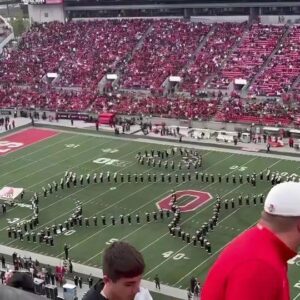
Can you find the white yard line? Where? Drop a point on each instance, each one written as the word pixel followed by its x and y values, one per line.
pixel 296 297
pixel 124 237
pixel 58 162
pixel 185 246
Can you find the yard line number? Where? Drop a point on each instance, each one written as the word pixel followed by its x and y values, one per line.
pixel 110 162
pixel 110 150
pixel 112 240
pixel 72 146
pixel 6 146
pixel 176 256
pixel 238 168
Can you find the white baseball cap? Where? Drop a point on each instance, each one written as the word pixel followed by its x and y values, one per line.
pixel 284 200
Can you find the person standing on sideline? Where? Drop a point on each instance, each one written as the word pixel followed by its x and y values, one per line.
pixel 123 267
pixel 3 262
pixel 157 282
pixel 66 250
pixel 90 281
pixel 254 265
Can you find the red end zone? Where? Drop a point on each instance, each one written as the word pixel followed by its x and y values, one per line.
pixel 23 139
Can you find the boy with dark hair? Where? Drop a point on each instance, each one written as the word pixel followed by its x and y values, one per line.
pixel 123 267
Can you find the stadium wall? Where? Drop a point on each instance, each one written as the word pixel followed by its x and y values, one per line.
pixel 46 13
pixel 219 19
pixel 6 41
pixel 128 18
pixel 280 19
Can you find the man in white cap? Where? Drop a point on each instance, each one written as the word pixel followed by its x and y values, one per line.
pixel 254 265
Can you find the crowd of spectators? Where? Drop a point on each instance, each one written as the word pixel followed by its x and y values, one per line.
pixel 165 52
pixel 51 99
pixel 158 106
pixel 249 56
pixel 283 69
pixel 81 53
pixel 265 112
pixel 209 59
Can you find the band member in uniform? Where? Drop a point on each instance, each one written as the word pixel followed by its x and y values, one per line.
pixel 129 219
pixel 208 247
pixel 148 217
pixel 113 220
pixel 226 204
pixel 95 220
pixel 137 217
pixel 44 191
pixel 62 183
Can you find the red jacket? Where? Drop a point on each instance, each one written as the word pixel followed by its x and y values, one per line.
pixel 252 267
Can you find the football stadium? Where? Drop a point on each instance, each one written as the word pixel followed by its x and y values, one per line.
pixel 163 124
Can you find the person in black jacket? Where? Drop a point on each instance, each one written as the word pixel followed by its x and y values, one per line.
pixel 123 267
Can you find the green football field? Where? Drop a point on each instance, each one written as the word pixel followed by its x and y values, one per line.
pixel 172 259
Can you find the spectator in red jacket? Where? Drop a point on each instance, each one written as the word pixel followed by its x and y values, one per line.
pixel 254 265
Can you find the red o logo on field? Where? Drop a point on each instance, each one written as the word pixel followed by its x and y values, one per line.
pixel 199 198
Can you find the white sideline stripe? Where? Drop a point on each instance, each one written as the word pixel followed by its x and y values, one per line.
pixel 139 190
pixel 203 146
pixel 96 272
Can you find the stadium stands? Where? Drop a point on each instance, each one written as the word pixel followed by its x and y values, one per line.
pixel 267 113
pixel 283 69
pixel 144 53
pixel 211 56
pixel 81 52
pixel 166 107
pixel 48 99
pixel 251 54
pixel 165 52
